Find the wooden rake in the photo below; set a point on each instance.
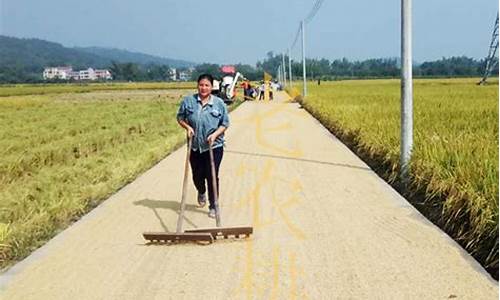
(202, 235)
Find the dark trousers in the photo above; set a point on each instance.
(202, 172)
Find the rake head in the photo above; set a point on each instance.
(206, 235)
(224, 232)
(172, 237)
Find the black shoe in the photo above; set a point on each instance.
(202, 199)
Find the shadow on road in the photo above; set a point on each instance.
(298, 159)
(154, 205)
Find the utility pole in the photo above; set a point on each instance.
(406, 91)
(281, 73)
(290, 68)
(304, 92)
(284, 68)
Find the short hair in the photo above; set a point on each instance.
(207, 77)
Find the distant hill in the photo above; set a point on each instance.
(23, 60)
(34, 54)
(124, 56)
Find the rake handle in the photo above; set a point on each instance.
(184, 185)
(214, 186)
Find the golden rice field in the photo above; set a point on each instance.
(42, 89)
(61, 154)
(455, 154)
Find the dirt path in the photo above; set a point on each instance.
(326, 227)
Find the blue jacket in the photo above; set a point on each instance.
(204, 120)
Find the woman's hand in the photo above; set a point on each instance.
(189, 131)
(211, 138)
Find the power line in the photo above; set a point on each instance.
(316, 7)
(314, 10)
(296, 37)
(310, 16)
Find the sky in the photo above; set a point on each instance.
(225, 31)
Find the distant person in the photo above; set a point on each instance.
(251, 91)
(319, 81)
(247, 92)
(205, 118)
(262, 90)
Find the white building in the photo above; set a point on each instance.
(184, 75)
(103, 74)
(172, 74)
(57, 73)
(68, 73)
(88, 74)
(75, 75)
